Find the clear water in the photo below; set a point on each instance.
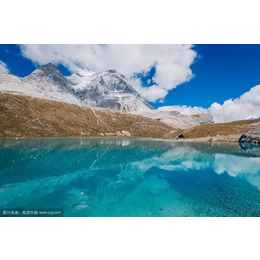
(113, 177)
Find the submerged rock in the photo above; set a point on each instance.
(181, 136)
(249, 139)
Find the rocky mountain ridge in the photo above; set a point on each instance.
(107, 89)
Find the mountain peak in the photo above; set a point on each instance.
(48, 69)
(112, 71)
(49, 64)
(47, 74)
(103, 89)
(50, 72)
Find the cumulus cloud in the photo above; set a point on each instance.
(244, 107)
(172, 62)
(236, 165)
(3, 67)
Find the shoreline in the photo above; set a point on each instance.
(121, 137)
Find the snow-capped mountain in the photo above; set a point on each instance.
(107, 89)
(45, 82)
(50, 82)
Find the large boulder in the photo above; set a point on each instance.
(249, 139)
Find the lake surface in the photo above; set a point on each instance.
(130, 177)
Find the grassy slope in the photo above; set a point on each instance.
(23, 116)
(222, 131)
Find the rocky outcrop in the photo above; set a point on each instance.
(255, 128)
(245, 138)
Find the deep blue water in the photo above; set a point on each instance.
(122, 177)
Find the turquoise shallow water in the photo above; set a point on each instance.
(121, 177)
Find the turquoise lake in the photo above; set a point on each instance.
(130, 177)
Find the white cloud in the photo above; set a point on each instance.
(185, 110)
(236, 165)
(3, 68)
(172, 62)
(244, 107)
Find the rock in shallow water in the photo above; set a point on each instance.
(249, 139)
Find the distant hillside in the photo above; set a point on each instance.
(228, 132)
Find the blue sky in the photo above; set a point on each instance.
(10, 54)
(220, 72)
